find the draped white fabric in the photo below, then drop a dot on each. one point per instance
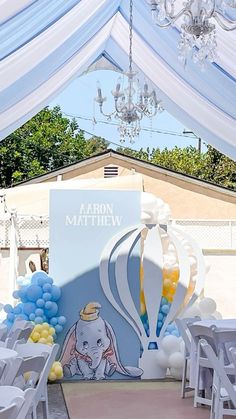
(47, 43)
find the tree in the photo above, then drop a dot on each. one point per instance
(46, 142)
(211, 166)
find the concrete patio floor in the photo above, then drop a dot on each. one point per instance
(122, 400)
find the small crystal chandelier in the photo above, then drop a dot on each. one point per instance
(198, 33)
(130, 106)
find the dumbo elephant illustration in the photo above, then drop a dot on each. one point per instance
(90, 348)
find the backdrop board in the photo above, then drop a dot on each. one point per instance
(97, 342)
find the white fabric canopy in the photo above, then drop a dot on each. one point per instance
(47, 43)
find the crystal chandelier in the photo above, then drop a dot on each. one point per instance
(198, 33)
(130, 105)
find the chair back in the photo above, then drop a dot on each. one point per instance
(225, 339)
(9, 412)
(3, 332)
(183, 325)
(25, 409)
(33, 366)
(18, 334)
(49, 351)
(203, 332)
(42, 383)
(219, 370)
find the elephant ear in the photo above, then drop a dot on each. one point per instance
(68, 351)
(114, 358)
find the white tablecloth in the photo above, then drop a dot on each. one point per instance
(226, 324)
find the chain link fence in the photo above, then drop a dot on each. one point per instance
(209, 234)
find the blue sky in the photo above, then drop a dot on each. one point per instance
(78, 99)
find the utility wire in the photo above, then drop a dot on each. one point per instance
(153, 130)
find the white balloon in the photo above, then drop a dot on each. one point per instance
(192, 311)
(170, 344)
(182, 346)
(145, 218)
(207, 306)
(217, 315)
(148, 201)
(176, 373)
(176, 360)
(162, 359)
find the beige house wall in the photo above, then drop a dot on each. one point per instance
(188, 198)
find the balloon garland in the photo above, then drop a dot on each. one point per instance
(38, 298)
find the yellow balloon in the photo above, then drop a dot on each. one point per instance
(51, 331)
(57, 364)
(58, 371)
(52, 376)
(50, 340)
(167, 284)
(46, 326)
(43, 340)
(35, 336)
(44, 334)
(38, 328)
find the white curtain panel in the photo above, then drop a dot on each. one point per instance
(47, 43)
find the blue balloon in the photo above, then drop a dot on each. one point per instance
(11, 317)
(58, 328)
(165, 309)
(47, 296)
(40, 303)
(164, 301)
(29, 308)
(159, 325)
(47, 287)
(38, 320)
(48, 305)
(171, 327)
(39, 276)
(56, 293)
(18, 309)
(160, 316)
(49, 280)
(8, 308)
(175, 333)
(15, 295)
(39, 312)
(166, 334)
(52, 311)
(61, 320)
(32, 317)
(45, 318)
(53, 321)
(34, 292)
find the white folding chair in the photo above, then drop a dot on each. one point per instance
(39, 349)
(21, 400)
(223, 390)
(199, 332)
(9, 412)
(182, 325)
(3, 332)
(17, 335)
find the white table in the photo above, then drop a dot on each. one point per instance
(224, 324)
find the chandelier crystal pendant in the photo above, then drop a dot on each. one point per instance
(198, 32)
(132, 103)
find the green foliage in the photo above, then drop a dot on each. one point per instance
(46, 142)
(50, 140)
(211, 165)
